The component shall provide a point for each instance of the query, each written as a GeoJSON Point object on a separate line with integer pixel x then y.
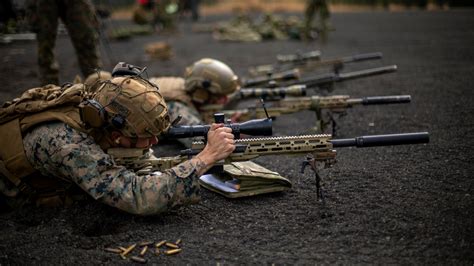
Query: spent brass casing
{"type": "Point", "coordinates": [171, 245]}
{"type": "Point", "coordinates": [128, 250]}
{"type": "Point", "coordinates": [143, 251]}
{"type": "Point", "coordinates": [113, 250]}
{"type": "Point", "coordinates": [138, 259]}
{"type": "Point", "coordinates": [145, 243]}
{"type": "Point", "coordinates": [161, 243]}
{"type": "Point", "coordinates": [172, 251]}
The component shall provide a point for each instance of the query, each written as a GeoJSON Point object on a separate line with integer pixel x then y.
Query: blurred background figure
{"type": "Point", "coordinates": [79, 18]}
{"type": "Point", "coordinates": [7, 14]}
{"type": "Point", "coordinates": [313, 8]}
{"type": "Point", "coordinates": [161, 14]}
{"type": "Point", "coordinates": [189, 6]}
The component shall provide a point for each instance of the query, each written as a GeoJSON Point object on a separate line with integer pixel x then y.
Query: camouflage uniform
{"type": "Point", "coordinates": [79, 18]}
{"type": "Point", "coordinates": [56, 149]}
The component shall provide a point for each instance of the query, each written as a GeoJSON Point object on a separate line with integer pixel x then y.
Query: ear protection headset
{"type": "Point", "coordinates": [200, 93]}
{"type": "Point", "coordinates": [94, 115]}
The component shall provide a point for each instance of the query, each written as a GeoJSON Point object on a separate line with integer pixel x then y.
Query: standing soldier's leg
{"type": "Point", "coordinates": [47, 12]}
{"type": "Point", "coordinates": [324, 15]}
{"type": "Point", "coordinates": [81, 22]}
{"type": "Point", "coordinates": [310, 11]}
{"type": "Point", "coordinates": [194, 9]}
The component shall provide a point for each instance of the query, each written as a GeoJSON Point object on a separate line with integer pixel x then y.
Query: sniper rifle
{"type": "Point", "coordinates": [319, 149]}
{"type": "Point", "coordinates": [324, 108]}
{"type": "Point", "coordinates": [310, 65]}
{"type": "Point", "coordinates": [327, 80]}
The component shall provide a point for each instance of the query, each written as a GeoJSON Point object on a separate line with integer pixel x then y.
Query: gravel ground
{"type": "Point", "coordinates": [386, 205]}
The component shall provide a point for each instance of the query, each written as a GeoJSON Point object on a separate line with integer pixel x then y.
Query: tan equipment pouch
{"type": "Point", "coordinates": [244, 179]}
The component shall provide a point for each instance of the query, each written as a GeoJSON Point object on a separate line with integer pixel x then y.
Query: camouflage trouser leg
{"type": "Point", "coordinates": [313, 6]}
{"type": "Point", "coordinates": [81, 23]}
{"type": "Point", "coordinates": [46, 36]}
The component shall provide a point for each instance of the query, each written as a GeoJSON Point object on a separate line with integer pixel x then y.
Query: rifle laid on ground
{"type": "Point", "coordinates": [310, 65]}
{"type": "Point", "coordinates": [276, 93]}
{"type": "Point", "coordinates": [291, 74]}
{"type": "Point", "coordinates": [327, 80]}
{"type": "Point", "coordinates": [286, 62]}
{"type": "Point", "coordinates": [319, 150]}
{"type": "Point", "coordinates": [299, 58]}
{"type": "Point", "coordinates": [324, 108]}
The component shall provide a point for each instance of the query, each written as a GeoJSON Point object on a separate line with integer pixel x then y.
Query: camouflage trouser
{"type": "Point", "coordinates": [313, 6]}
{"type": "Point", "coordinates": [80, 21]}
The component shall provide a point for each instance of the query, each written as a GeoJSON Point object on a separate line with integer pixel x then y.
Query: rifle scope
{"type": "Point", "coordinates": [255, 127]}
{"type": "Point", "coordinates": [383, 140]}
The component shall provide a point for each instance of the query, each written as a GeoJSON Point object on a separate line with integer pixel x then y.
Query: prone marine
{"type": "Point", "coordinates": [55, 140]}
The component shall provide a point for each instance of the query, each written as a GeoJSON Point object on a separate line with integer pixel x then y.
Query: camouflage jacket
{"type": "Point", "coordinates": [55, 149]}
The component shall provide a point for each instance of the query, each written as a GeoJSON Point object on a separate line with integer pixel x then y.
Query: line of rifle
{"type": "Point", "coordinates": [327, 80]}
{"type": "Point", "coordinates": [318, 147]}
{"type": "Point", "coordinates": [324, 108]}
{"type": "Point", "coordinates": [299, 57]}
{"type": "Point", "coordinates": [310, 65]}
{"type": "Point", "coordinates": [275, 93]}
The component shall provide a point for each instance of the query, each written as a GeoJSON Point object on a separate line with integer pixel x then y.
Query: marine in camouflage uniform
{"type": "Point", "coordinates": [56, 149]}
{"type": "Point", "coordinates": [207, 81]}
{"type": "Point", "coordinates": [80, 21]}
{"type": "Point", "coordinates": [210, 81]}
{"type": "Point", "coordinates": [62, 153]}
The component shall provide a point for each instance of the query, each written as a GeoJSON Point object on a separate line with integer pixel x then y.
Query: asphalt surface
{"type": "Point", "coordinates": [408, 204]}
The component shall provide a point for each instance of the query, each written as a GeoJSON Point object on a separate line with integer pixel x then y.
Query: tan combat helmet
{"type": "Point", "coordinates": [209, 77]}
{"type": "Point", "coordinates": [131, 105]}
{"type": "Point", "coordinates": [94, 79]}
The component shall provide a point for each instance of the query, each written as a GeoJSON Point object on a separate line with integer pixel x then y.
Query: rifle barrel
{"type": "Point", "coordinates": [367, 72]}
{"type": "Point", "coordinates": [380, 100]}
{"type": "Point", "coordinates": [383, 140]}
{"type": "Point", "coordinates": [329, 78]}
{"type": "Point", "coordinates": [362, 57]}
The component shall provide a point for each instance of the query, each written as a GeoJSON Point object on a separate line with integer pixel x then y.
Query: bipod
{"type": "Point", "coordinates": [311, 162]}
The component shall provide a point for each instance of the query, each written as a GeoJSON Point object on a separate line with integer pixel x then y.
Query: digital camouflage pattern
{"type": "Point", "coordinates": [57, 150]}
{"type": "Point", "coordinates": [80, 21]}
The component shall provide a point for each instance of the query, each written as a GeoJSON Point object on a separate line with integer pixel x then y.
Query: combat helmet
{"type": "Point", "coordinates": [209, 77]}
{"type": "Point", "coordinates": [94, 79]}
{"type": "Point", "coordinates": [129, 104]}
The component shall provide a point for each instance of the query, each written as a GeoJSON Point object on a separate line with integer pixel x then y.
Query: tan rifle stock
{"type": "Point", "coordinates": [246, 149]}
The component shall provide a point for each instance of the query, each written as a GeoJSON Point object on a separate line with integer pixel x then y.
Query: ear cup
{"type": "Point", "coordinates": [200, 96]}
{"type": "Point", "coordinates": [93, 114]}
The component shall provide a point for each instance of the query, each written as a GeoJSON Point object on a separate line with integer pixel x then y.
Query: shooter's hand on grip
{"type": "Point", "coordinates": [220, 144]}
